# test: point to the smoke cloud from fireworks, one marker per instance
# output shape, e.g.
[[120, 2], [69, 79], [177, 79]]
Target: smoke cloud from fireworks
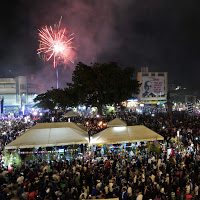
[[93, 27], [154, 33]]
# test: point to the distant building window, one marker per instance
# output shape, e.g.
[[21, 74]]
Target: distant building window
[[161, 74], [31, 86], [7, 85], [22, 86]]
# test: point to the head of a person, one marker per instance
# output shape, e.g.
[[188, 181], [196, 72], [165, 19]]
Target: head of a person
[[148, 86]]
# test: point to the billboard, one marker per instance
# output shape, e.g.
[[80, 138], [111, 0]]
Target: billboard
[[153, 86]]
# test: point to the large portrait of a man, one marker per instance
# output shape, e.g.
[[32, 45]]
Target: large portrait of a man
[[148, 89]]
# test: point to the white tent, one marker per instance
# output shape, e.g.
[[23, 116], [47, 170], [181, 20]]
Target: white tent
[[50, 134], [116, 122], [125, 134], [70, 114]]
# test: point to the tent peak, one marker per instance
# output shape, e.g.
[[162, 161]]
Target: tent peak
[[116, 122]]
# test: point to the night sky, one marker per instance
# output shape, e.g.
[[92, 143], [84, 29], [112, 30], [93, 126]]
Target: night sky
[[162, 35]]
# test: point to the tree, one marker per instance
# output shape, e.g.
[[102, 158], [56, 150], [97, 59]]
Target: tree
[[45, 101], [97, 85], [103, 84], [61, 98]]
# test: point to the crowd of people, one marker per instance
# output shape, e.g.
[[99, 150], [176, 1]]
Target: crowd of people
[[10, 129], [133, 176]]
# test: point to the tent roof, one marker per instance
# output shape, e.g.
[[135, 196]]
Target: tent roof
[[116, 122], [70, 114], [60, 125], [126, 134], [50, 134]]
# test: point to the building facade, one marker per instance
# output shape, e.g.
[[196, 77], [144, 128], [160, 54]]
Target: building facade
[[18, 93]]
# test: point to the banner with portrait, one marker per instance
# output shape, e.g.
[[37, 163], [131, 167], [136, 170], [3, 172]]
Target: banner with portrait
[[153, 86]]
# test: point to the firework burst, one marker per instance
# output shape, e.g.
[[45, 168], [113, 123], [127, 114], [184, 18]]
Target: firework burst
[[54, 43]]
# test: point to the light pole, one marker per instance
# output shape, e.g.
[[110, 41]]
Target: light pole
[[57, 75]]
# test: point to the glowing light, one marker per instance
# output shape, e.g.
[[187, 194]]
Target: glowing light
[[35, 113], [177, 133], [138, 110], [61, 150], [100, 123], [54, 43], [120, 128]]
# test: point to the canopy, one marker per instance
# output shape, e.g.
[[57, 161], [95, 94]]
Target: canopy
[[116, 122], [126, 134], [50, 134], [70, 114]]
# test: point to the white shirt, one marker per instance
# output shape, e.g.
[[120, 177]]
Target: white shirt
[[153, 158], [74, 169], [84, 169], [162, 190], [133, 161], [135, 179], [56, 177], [78, 173], [45, 168], [123, 195], [110, 187], [153, 178], [187, 189], [143, 178], [102, 151], [106, 189], [167, 180], [129, 191], [196, 190], [155, 166], [139, 197], [20, 180], [83, 196], [159, 162], [149, 160], [99, 185]]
